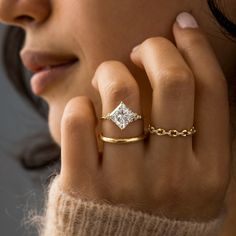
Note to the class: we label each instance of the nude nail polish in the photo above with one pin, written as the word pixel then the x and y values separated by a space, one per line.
pixel 186 20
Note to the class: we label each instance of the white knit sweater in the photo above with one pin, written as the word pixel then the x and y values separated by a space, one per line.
pixel 69 216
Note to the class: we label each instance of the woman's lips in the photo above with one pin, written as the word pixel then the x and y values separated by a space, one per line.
pixel 47 68
pixel 41 79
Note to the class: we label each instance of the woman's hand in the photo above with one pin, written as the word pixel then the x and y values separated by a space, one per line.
pixel 183 177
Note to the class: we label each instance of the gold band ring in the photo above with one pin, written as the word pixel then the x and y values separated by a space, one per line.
pixel 172 133
pixel 123 140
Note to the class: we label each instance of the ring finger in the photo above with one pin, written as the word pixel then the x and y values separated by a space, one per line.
pixel 115 84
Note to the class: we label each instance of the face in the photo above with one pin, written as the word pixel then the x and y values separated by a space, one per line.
pixel 88 32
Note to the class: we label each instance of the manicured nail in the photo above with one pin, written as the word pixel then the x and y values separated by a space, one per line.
pixel 135 48
pixel 186 20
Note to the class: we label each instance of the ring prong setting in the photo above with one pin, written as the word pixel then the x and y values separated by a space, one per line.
pixel 122 116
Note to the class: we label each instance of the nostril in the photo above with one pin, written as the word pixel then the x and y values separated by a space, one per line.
pixel 24 13
pixel 24 19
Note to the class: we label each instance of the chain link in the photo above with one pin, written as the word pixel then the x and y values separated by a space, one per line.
pixel 172 133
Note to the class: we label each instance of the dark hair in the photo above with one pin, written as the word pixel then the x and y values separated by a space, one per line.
pixel 20 80
pixel 228 27
pixel 40 150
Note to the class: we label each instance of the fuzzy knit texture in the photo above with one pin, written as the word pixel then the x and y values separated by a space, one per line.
pixel 69 216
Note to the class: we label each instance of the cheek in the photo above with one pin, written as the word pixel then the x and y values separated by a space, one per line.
pixel 58 101
pixel 56 110
pixel 102 31
pixel 111 33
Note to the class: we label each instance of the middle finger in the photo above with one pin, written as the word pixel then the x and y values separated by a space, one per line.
pixel 173 90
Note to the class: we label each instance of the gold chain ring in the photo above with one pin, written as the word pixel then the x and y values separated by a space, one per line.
pixel 172 133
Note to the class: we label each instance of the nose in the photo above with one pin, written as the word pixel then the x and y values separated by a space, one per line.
pixel 24 12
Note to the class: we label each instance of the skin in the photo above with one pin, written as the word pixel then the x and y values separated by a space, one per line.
pixel 167 70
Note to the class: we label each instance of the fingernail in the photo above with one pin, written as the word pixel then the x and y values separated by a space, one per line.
pixel 186 20
pixel 135 48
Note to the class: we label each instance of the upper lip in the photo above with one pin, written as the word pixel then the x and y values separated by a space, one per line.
pixel 36 61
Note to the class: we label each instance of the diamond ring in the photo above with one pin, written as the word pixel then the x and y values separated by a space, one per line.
pixel 122 116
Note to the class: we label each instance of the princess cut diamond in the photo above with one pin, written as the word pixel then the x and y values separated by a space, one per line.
pixel 123 116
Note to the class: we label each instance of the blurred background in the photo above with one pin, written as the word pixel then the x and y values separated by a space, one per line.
pixel 21 189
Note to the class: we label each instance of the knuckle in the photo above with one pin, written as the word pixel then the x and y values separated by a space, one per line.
pixel 175 79
pixel 119 85
pixel 71 120
pixel 77 114
pixel 214 184
pixel 173 184
pixel 194 40
pixel 74 121
pixel 126 192
pixel 154 41
pixel 210 191
pixel 107 68
pixel 121 91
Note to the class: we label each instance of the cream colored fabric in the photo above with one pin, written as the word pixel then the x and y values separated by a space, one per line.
pixel 69 216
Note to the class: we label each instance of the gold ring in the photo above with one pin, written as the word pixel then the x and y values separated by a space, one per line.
pixel 122 116
pixel 172 133
pixel 123 140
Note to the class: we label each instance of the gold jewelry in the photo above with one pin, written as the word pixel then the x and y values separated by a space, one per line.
pixel 122 116
pixel 172 133
pixel 123 140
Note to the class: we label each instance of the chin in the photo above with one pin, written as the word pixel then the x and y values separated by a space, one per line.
pixel 55 133
pixel 54 124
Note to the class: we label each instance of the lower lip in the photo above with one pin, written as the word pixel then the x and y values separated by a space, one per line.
pixel 42 79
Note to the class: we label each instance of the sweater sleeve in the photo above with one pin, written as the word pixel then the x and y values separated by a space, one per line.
pixel 69 216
